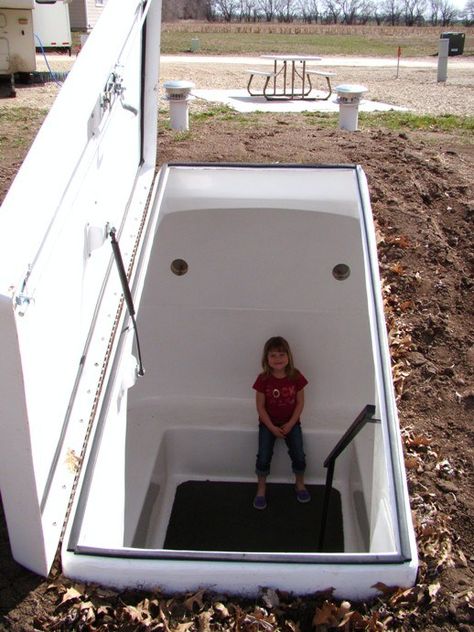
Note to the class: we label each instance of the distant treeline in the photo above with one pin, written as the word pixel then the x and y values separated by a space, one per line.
pixel 350 12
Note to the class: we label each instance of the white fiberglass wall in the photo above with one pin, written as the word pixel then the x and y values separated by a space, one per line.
pixel 260 247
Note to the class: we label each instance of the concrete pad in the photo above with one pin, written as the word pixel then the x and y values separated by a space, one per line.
pixel 241 101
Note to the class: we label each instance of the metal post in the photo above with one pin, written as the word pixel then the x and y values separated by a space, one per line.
pixel 443 52
pixel 325 511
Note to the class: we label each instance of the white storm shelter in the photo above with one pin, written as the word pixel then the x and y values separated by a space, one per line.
pixel 148 480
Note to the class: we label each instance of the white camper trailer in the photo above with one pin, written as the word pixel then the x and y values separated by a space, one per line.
pixel 51 25
pixel 17 50
pixel 115 461
pixel 23 25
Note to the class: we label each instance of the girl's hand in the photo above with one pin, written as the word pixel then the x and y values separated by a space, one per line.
pixel 286 429
pixel 278 431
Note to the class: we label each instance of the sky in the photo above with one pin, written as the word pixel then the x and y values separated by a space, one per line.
pixel 459 4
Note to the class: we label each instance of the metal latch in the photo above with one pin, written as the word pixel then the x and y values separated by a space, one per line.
pixel 22 300
pixel 113 90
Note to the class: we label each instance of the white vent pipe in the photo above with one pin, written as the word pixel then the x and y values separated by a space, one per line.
pixel 178 93
pixel 348 97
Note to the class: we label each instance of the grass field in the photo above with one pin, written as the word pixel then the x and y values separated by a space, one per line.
pixel 253 39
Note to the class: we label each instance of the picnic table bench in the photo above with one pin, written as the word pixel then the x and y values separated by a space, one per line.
pixel 260 73
pixel 321 73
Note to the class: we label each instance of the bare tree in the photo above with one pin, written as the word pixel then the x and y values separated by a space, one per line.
pixel 226 8
pixel 349 10
pixel 314 9
pixel 413 11
pixel 332 11
pixel 285 10
pixel 392 10
pixel 302 11
pixel 447 12
pixel 467 14
pixel 434 11
pixel 308 10
pixel 367 11
pixel 247 10
pixel 185 9
pixel 377 13
pixel 268 8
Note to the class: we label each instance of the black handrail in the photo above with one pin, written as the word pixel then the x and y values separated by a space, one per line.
pixel 364 416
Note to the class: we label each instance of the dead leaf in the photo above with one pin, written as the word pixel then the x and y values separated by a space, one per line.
pixel 105 610
pixel 164 620
pixel 87 612
pixel 265 622
pixel 345 620
pixel 270 598
pixel 433 590
pixel 204 621
pixel 195 599
pixel 384 589
pixel 372 624
pixel 402 241
pixel 325 615
pixel 406 305
pixel 105 593
pixel 71 594
pixel 221 610
pixel 132 613
pixel 72 461
pixel 325 594
pixel 418 441
pixel 397 268
pixel 183 627
pixel 360 622
pixel 462 559
pixel 445 468
pixel 402 595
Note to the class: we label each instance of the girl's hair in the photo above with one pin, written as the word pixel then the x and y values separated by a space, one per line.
pixel 277 343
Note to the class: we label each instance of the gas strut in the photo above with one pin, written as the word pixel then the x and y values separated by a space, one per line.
pixel 126 294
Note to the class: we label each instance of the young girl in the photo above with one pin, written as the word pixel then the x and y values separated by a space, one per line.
pixel 280 401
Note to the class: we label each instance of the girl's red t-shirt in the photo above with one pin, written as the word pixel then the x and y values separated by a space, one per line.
pixel 280 395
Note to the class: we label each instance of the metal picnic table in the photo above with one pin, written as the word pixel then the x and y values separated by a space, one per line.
pixel 290 78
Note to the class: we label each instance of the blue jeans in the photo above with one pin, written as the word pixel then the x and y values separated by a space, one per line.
pixel 266 441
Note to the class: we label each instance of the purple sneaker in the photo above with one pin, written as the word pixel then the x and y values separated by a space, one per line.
pixel 259 502
pixel 303 496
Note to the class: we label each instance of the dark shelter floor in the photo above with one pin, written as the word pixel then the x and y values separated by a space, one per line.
pixel 219 516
